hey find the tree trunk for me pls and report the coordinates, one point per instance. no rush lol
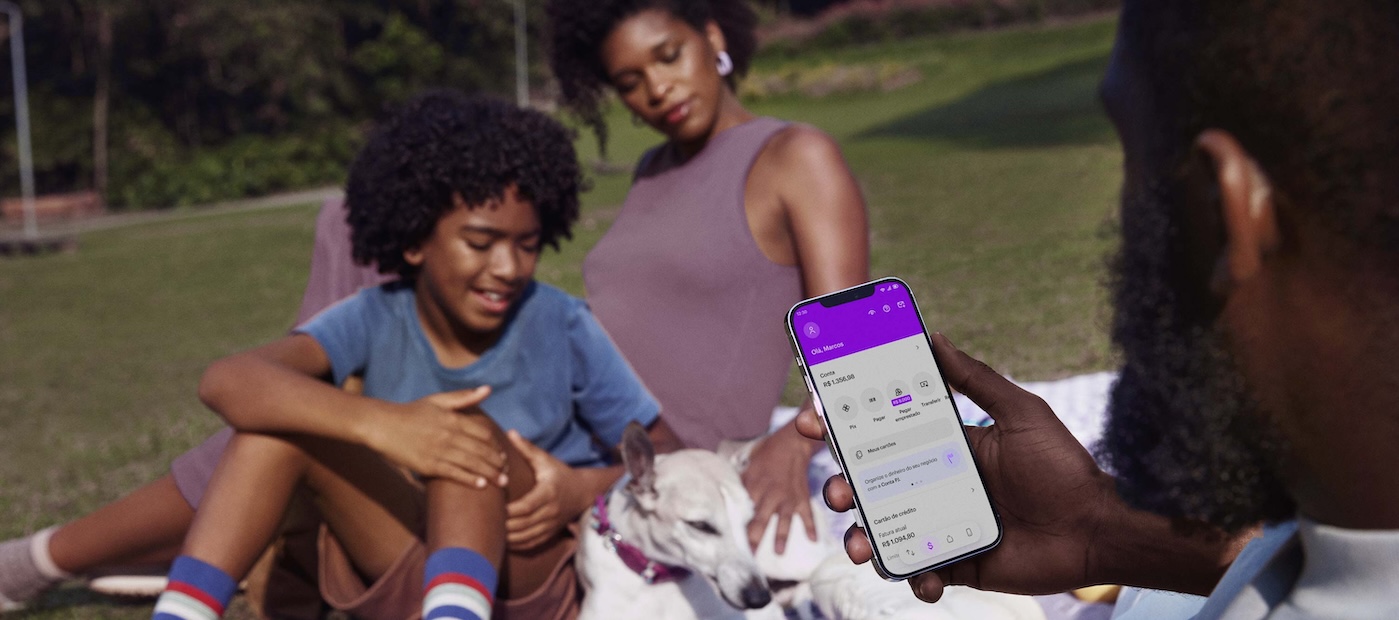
(101, 100)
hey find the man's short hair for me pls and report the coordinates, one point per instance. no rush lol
(1310, 88)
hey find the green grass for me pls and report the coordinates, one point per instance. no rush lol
(989, 184)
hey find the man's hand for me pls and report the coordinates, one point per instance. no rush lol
(1050, 494)
(776, 479)
(556, 499)
(439, 437)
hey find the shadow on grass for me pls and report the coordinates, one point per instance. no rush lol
(1051, 108)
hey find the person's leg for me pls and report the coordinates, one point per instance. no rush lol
(144, 527)
(523, 573)
(367, 503)
(461, 577)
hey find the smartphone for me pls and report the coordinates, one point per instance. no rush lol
(892, 426)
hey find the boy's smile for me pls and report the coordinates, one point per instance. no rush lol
(471, 270)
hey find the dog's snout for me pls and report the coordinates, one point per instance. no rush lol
(756, 595)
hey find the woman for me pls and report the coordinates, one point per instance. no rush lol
(730, 221)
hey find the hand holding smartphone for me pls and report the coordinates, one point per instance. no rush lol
(893, 427)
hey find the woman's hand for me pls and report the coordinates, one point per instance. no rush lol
(557, 498)
(442, 436)
(776, 479)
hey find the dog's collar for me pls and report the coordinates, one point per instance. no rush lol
(652, 571)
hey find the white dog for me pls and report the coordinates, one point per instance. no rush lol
(670, 541)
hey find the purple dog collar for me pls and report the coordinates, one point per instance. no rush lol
(652, 571)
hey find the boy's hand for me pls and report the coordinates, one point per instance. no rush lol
(556, 499)
(434, 437)
(1051, 495)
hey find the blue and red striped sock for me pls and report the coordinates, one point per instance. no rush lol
(197, 591)
(458, 583)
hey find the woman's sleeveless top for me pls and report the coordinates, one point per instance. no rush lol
(689, 298)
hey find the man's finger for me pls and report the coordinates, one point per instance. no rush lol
(928, 587)
(809, 424)
(984, 386)
(837, 493)
(857, 545)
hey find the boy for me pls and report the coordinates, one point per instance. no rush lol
(457, 196)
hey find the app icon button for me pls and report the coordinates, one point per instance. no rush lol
(811, 330)
(925, 384)
(871, 400)
(845, 408)
(886, 307)
(898, 391)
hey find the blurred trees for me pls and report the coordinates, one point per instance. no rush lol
(163, 102)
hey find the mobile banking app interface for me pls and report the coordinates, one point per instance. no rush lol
(892, 417)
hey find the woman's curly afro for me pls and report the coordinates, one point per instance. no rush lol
(444, 143)
(578, 29)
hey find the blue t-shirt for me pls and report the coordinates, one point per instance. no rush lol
(554, 374)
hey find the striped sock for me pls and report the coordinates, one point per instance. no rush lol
(197, 591)
(458, 583)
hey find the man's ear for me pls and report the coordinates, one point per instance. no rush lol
(1247, 208)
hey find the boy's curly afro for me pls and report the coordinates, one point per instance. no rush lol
(443, 143)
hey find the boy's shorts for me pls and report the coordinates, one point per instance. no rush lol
(398, 594)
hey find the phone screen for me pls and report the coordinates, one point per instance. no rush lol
(893, 427)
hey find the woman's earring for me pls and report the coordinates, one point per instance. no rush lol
(726, 64)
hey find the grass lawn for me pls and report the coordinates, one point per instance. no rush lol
(990, 184)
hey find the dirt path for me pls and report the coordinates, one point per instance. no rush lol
(50, 232)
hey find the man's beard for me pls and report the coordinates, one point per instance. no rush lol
(1184, 437)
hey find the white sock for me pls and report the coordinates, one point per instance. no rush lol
(39, 551)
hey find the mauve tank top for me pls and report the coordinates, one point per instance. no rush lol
(683, 289)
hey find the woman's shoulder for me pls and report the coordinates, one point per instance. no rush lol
(802, 144)
(799, 157)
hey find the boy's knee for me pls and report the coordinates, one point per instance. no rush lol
(484, 423)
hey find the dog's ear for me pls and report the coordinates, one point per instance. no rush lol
(640, 458)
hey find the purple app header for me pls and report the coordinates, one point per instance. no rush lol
(831, 333)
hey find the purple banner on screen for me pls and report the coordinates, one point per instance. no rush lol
(831, 333)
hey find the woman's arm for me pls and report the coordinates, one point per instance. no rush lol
(826, 234)
(280, 387)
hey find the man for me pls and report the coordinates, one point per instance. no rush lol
(1257, 310)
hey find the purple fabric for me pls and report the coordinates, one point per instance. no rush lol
(690, 298)
(334, 276)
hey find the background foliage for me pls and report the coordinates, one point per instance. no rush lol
(161, 103)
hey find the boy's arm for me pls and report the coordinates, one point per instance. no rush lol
(280, 387)
(561, 493)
